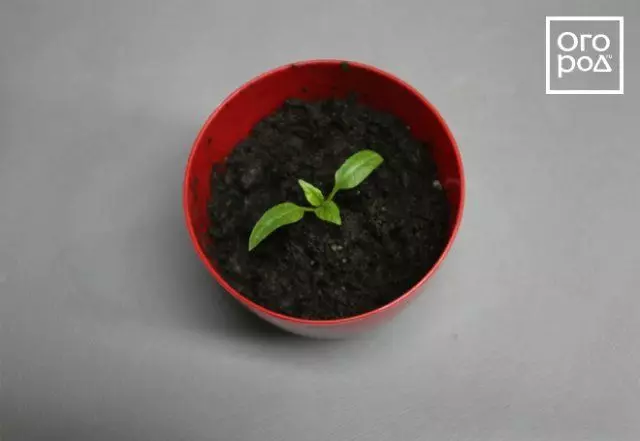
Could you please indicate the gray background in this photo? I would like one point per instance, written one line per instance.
(111, 329)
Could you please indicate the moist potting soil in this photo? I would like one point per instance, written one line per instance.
(394, 225)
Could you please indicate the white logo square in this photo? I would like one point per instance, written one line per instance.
(584, 55)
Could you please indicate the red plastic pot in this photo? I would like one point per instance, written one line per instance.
(316, 79)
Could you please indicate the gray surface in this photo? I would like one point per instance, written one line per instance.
(112, 330)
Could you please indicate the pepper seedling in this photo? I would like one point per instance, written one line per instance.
(350, 174)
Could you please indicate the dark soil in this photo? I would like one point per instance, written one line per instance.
(394, 225)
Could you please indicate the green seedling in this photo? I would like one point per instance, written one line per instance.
(350, 174)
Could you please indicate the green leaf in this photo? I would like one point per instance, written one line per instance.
(312, 193)
(329, 212)
(356, 169)
(274, 218)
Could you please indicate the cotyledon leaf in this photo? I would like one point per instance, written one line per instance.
(356, 169)
(274, 218)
